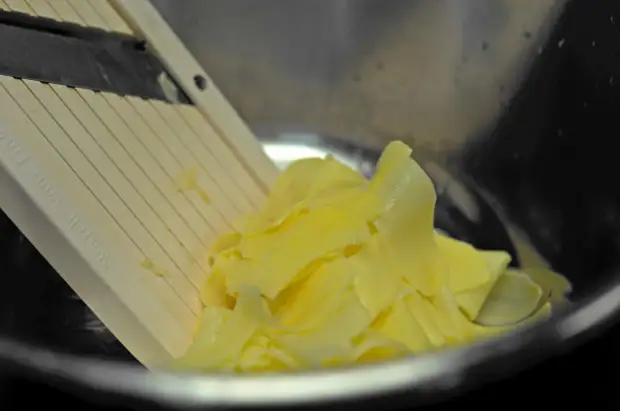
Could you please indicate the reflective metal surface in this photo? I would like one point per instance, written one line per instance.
(431, 72)
(285, 148)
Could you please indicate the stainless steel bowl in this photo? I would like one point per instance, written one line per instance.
(506, 104)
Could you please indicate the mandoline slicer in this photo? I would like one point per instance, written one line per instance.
(120, 161)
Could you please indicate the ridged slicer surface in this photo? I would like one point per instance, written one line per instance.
(90, 178)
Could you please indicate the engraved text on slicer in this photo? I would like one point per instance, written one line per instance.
(17, 155)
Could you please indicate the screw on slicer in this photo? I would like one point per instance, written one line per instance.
(200, 81)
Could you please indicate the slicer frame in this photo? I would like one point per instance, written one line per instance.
(89, 177)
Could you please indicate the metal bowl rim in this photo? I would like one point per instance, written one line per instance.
(436, 373)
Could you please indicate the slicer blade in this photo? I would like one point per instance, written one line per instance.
(90, 161)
